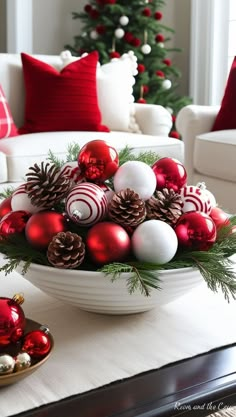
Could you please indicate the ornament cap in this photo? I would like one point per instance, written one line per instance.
(44, 328)
(18, 298)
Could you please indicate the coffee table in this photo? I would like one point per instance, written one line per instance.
(201, 385)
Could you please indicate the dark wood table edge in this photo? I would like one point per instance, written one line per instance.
(199, 385)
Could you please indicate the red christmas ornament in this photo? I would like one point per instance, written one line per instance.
(145, 89)
(159, 37)
(160, 74)
(42, 226)
(195, 231)
(100, 29)
(136, 42)
(13, 222)
(167, 61)
(37, 343)
(128, 36)
(170, 173)
(141, 68)
(5, 207)
(142, 100)
(158, 15)
(12, 320)
(94, 14)
(107, 242)
(174, 134)
(87, 8)
(114, 54)
(110, 1)
(146, 12)
(219, 217)
(98, 160)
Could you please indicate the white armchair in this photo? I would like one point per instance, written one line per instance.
(209, 156)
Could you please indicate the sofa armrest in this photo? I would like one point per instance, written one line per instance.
(3, 169)
(153, 119)
(193, 120)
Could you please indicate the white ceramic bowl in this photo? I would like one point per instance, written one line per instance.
(93, 291)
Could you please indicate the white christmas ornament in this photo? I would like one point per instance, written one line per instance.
(20, 200)
(195, 199)
(161, 44)
(154, 241)
(208, 193)
(119, 33)
(93, 34)
(166, 84)
(136, 175)
(124, 20)
(146, 49)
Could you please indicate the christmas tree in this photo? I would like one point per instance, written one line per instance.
(114, 27)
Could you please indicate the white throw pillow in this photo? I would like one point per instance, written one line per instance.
(115, 82)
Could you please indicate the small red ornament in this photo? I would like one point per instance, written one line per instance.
(145, 89)
(87, 8)
(5, 207)
(128, 36)
(174, 134)
(107, 242)
(98, 160)
(170, 173)
(167, 61)
(159, 38)
(37, 343)
(195, 231)
(42, 226)
(141, 68)
(12, 320)
(13, 222)
(142, 100)
(136, 42)
(158, 15)
(219, 217)
(94, 14)
(100, 29)
(160, 74)
(146, 12)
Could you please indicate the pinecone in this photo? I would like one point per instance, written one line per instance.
(46, 185)
(127, 208)
(66, 250)
(165, 205)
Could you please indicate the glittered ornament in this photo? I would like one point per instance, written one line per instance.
(170, 173)
(137, 176)
(13, 222)
(98, 160)
(195, 231)
(37, 343)
(12, 320)
(5, 207)
(22, 361)
(21, 201)
(7, 364)
(195, 199)
(107, 242)
(42, 226)
(154, 241)
(86, 204)
(219, 217)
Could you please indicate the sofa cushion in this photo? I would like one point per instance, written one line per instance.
(7, 125)
(226, 117)
(31, 148)
(60, 101)
(215, 154)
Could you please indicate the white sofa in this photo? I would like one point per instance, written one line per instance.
(209, 156)
(20, 152)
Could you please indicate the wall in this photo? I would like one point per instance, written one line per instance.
(3, 46)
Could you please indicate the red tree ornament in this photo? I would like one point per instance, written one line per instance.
(219, 217)
(195, 231)
(170, 173)
(98, 160)
(12, 320)
(5, 207)
(37, 343)
(13, 222)
(107, 242)
(43, 226)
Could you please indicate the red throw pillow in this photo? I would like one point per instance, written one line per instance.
(226, 117)
(7, 125)
(58, 101)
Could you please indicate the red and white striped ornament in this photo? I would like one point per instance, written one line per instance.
(72, 171)
(21, 201)
(86, 204)
(195, 199)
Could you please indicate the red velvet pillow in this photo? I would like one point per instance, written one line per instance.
(57, 101)
(7, 125)
(226, 117)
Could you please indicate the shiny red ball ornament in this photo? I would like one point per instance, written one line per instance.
(219, 217)
(13, 222)
(12, 320)
(195, 231)
(170, 173)
(5, 207)
(42, 226)
(37, 343)
(107, 242)
(98, 160)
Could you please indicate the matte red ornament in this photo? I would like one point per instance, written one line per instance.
(12, 320)
(42, 226)
(142, 100)
(159, 37)
(98, 160)
(37, 343)
(13, 222)
(158, 15)
(219, 217)
(107, 242)
(160, 74)
(5, 207)
(170, 173)
(195, 231)
(174, 134)
(141, 68)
